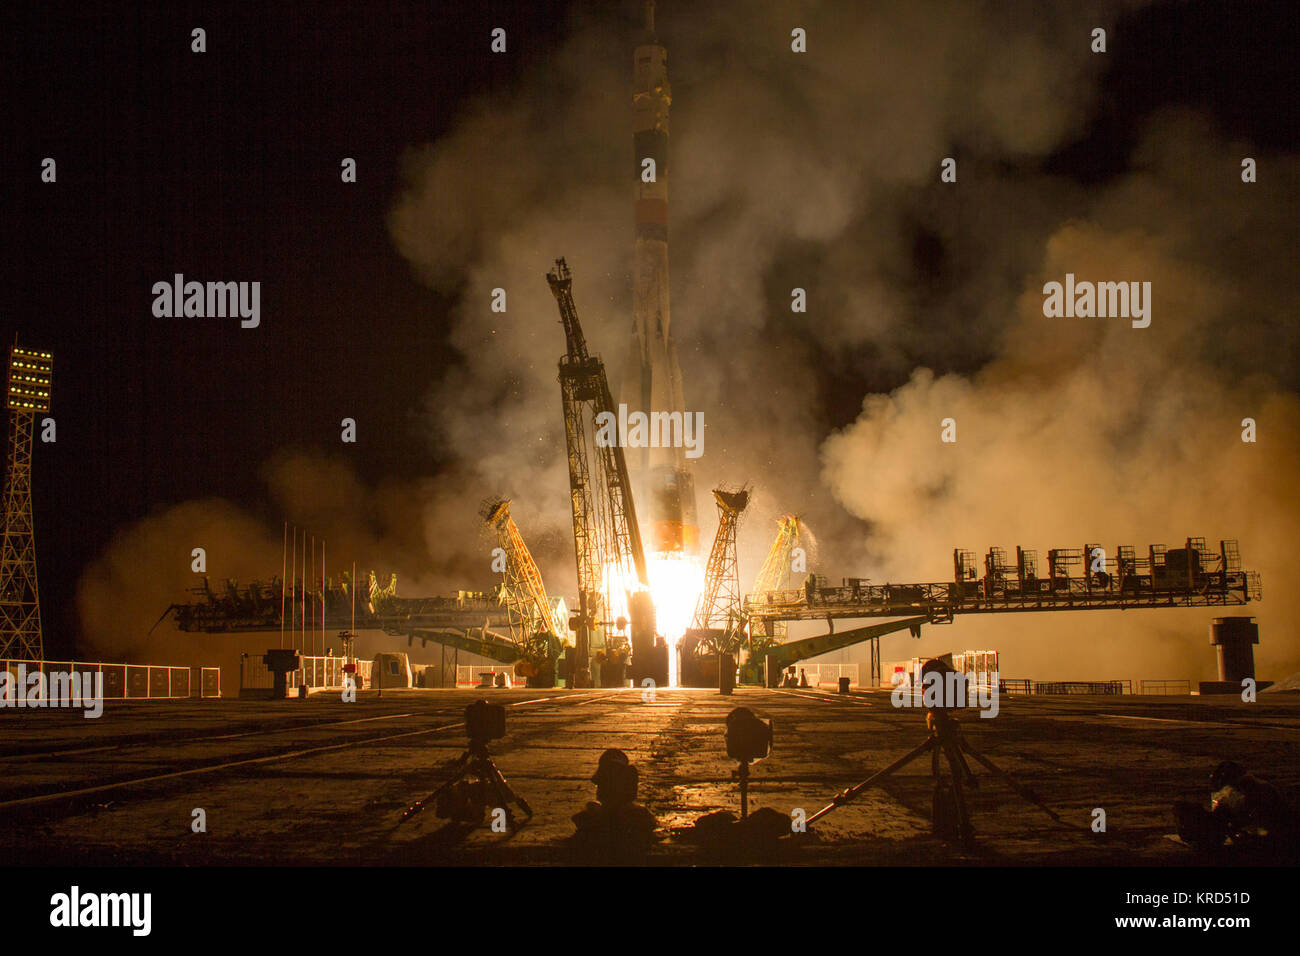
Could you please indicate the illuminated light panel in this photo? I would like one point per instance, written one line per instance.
(30, 375)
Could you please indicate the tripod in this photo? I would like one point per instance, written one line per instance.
(951, 809)
(743, 775)
(475, 762)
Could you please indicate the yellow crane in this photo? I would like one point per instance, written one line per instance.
(776, 574)
(606, 535)
(532, 625)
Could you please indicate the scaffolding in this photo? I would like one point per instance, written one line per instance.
(1077, 579)
(775, 576)
(30, 376)
(533, 627)
(720, 600)
(607, 538)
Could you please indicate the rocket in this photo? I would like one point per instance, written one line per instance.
(652, 379)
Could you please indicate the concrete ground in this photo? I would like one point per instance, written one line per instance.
(320, 781)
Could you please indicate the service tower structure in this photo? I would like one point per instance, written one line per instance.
(652, 380)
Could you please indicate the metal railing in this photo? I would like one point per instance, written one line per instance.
(998, 594)
(1164, 687)
(1091, 688)
(1025, 687)
(485, 675)
(827, 675)
(318, 673)
(125, 681)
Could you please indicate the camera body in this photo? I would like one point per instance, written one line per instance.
(485, 721)
(749, 737)
(616, 779)
(943, 686)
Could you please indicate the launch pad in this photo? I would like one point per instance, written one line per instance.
(646, 610)
(325, 782)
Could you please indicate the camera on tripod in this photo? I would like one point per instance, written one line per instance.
(616, 779)
(749, 737)
(476, 785)
(484, 721)
(943, 687)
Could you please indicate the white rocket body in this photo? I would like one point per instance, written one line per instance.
(652, 381)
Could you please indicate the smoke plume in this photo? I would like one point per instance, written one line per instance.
(821, 171)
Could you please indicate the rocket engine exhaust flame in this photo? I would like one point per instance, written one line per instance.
(676, 580)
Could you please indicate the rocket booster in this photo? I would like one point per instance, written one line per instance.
(652, 378)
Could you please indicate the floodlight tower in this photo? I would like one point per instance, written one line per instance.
(30, 375)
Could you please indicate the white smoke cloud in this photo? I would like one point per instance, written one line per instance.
(820, 171)
(813, 171)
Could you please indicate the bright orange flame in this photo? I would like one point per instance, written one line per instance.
(615, 586)
(676, 581)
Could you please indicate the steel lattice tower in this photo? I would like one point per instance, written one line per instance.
(606, 535)
(721, 596)
(777, 574)
(523, 592)
(20, 606)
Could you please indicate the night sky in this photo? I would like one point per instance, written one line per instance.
(225, 166)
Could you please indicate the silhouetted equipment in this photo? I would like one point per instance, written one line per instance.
(30, 377)
(749, 738)
(726, 673)
(951, 812)
(700, 653)
(1251, 812)
(281, 662)
(606, 537)
(475, 784)
(1234, 639)
(616, 779)
(485, 721)
(649, 652)
(1076, 580)
(615, 829)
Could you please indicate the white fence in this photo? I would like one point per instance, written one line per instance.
(316, 672)
(487, 675)
(827, 675)
(126, 681)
